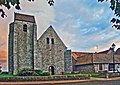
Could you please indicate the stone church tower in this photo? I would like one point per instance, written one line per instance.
(22, 49)
(54, 53)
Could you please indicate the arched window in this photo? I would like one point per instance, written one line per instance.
(52, 41)
(47, 40)
(25, 28)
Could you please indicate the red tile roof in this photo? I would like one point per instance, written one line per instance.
(82, 57)
(117, 51)
(103, 52)
(86, 58)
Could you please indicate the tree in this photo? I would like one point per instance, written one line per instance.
(16, 4)
(115, 7)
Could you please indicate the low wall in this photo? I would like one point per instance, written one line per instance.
(88, 68)
(42, 78)
(111, 75)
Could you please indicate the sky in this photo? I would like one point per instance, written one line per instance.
(83, 25)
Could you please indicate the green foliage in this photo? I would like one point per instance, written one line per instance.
(115, 7)
(30, 72)
(45, 74)
(6, 75)
(96, 75)
(27, 69)
(100, 0)
(76, 74)
(51, 2)
(25, 73)
(16, 4)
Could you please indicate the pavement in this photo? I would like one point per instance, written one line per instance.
(58, 82)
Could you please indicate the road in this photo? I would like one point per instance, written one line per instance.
(112, 82)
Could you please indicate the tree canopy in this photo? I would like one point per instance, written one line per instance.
(115, 7)
(16, 4)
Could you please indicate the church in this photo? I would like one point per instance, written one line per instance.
(47, 53)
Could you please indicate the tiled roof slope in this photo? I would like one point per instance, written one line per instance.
(102, 58)
(86, 58)
(117, 58)
(117, 51)
(103, 52)
(82, 57)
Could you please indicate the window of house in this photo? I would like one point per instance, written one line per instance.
(105, 66)
(25, 28)
(100, 66)
(52, 41)
(111, 66)
(47, 40)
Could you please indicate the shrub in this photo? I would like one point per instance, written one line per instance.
(42, 73)
(30, 72)
(45, 74)
(25, 73)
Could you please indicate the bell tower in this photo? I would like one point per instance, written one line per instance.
(22, 45)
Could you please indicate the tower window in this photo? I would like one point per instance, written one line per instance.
(52, 41)
(25, 28)
(47, 40)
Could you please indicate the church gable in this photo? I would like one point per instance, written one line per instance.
(51, 37)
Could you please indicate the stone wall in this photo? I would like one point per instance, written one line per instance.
(42, 78)
(52, 54)
(68, 62)
(10, 48)
(86, 68)
(73, 64)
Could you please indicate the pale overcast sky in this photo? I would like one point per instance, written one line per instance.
(83, 25)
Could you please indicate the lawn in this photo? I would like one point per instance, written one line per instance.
(91, 75)
(6, 75)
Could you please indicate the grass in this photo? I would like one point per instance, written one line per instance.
(98, 75)
(6, 75)
(91, 75)
(76, 74)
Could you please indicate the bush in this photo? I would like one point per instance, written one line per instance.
(29, 72)
(45, 74)
(42, 73)
(25, 73)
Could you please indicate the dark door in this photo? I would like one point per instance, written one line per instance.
(51, 70)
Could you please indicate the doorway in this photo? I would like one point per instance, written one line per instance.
(51, 70)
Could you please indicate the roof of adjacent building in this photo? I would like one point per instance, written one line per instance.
(87, 58)
(24, 17)
(82, 57)
(77, 54)
(103, 52)
(117, 51)
(102, 58)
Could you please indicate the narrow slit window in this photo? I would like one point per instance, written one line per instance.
(52, 41)
(47, 40)
(25, 28)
